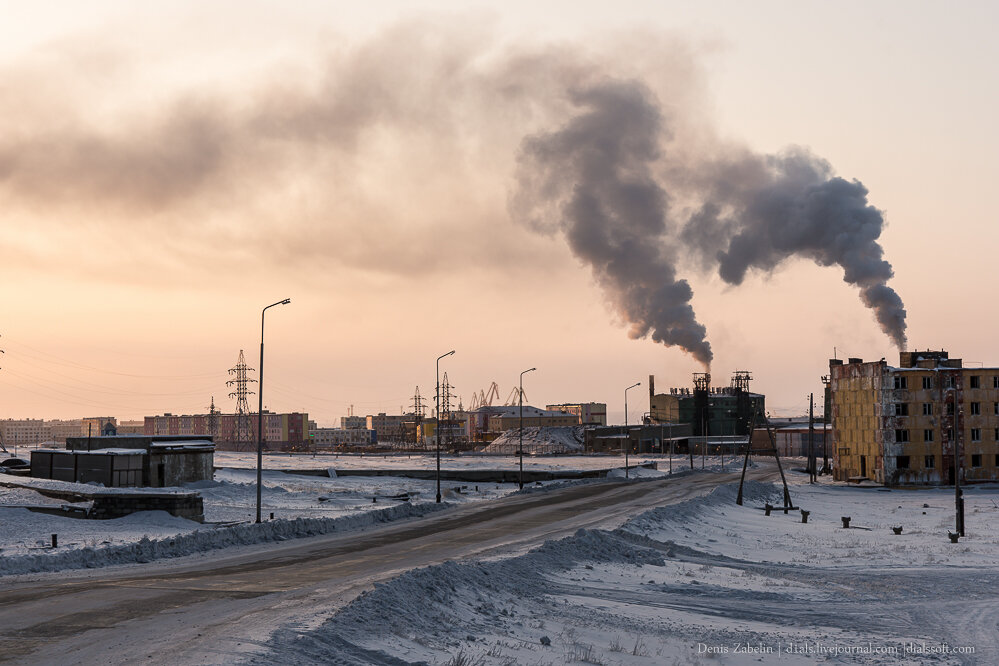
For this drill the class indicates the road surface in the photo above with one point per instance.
(216, 607)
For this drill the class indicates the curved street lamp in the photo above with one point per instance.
(627, 435)
(260, 407)
(437, 428)
(520, 450)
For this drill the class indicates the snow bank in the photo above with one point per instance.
(703, 572)
(201, 540)
(446, 603)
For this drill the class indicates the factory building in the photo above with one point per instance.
(901, 425)
(588, 413)
(711, 411)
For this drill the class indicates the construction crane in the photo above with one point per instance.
(515, 395)
(484, 398)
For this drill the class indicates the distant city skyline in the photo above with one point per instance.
(168, 170)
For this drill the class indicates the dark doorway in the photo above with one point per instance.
(863, 465)
(161, 472)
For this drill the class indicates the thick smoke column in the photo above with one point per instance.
(593, 181)
(795, 207)
(606, 180)
(357, 159)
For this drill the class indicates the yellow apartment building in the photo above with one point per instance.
(900, 425)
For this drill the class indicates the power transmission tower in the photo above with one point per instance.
(419, 410)
(446, 411)
(243, 434)
(213, 419)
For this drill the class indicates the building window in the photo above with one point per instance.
(901, 382)
(927, 382)
(997, 460)
(976, 382)
(901, 462)
(901, 409)
(950, 409)
(950, 434)
(927, 435)
(995, 434)
(929, 462)
(901, 435)
(976, 459)
(995, 408)
(976, 408)
(928, 408)
(976, 434)
(995, 382)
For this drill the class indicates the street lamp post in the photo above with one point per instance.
(627, 435)
(520, 449)
(437, 429)
(260, 405)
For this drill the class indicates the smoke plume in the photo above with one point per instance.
(605, 180)
(594, 181)
(397, 142)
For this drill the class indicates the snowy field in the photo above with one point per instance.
(302, 505)
(276, 461)
(704, 581)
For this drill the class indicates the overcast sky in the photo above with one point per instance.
(410, 175)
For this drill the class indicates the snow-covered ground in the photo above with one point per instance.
(277, 461)
(302, 505)
(704, 581)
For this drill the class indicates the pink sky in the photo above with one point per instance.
(165, 172)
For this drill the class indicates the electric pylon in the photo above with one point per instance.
(243, 435)
(213, 420)
(445, 415)
(419, 410)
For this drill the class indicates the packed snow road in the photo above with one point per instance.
(218, 607)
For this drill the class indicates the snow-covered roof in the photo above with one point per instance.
(97, 452)
(189, 444)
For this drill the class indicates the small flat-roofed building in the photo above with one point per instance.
(128, 460)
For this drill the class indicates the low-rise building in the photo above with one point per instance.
(284, 432)
(127, 460)
(329, 438)
(25, 432)
(588, 413)
(487, 423)
(388, 429)
(903, 424)
(353, 422)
